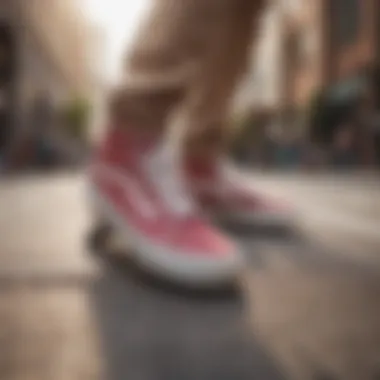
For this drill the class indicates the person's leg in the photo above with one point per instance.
(210, 97)
(188, 52)
(171, 70)
(205, 120)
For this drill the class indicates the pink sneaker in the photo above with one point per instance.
(139, 189)
(227, 198)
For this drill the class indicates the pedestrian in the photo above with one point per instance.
(161, 166)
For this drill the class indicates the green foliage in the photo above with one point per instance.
(247, 131)
(76, 115)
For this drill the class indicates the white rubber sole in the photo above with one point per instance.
(257, 219)
(190, 268)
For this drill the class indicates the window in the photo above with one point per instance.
(345, 21)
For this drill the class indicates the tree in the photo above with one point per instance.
(76, 116)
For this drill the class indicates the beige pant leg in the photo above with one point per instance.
(209, 99)
(187, 54)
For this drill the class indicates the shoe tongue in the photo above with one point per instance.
(145, 141)
(131, 138)
(165, 170)
(203, 167)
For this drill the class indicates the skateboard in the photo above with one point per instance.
(108, 241)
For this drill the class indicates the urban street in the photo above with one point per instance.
(290, 86)
(307, 306)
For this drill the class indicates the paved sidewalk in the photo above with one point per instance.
(64, 317)
(341, 212)
(43, 224)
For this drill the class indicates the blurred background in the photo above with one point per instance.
(51, 66)
(310, 99)
(314, 86)
(306, 127)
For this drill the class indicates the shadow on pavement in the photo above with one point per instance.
(153, 331)
(317, 317)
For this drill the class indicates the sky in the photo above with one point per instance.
(119, 19)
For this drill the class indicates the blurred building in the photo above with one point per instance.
(330, 47)
(53, 54)
(8, 60)
(353, 40)
(309, 50)
(329, 43)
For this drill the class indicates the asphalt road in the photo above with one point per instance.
(308, 306)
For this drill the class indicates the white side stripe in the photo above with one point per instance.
(131, 190)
